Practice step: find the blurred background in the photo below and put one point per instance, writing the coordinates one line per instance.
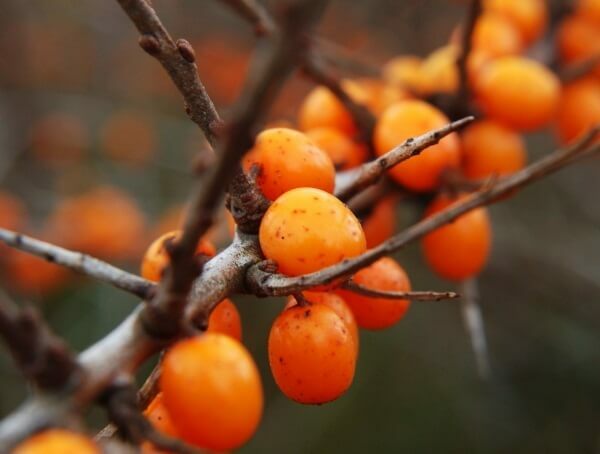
(94, 139)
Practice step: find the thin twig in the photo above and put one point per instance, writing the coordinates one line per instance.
(352, 181)
(475, 327)
(267, 284)
(463, 93)
(255, 13)
(412, 295)
(82, 263)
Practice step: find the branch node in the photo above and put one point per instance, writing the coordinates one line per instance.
(186, 50)
(149, 44)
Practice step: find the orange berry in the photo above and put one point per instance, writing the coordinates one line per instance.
(334, 302)
(495, 35)
(381, 222)
(578, 39)
(378, 313)
(288, 160)
(307, 229)
(579, 108)
(32, 275)
(438, 73)
(518, 92)
(13, 215)
(374, 94)
(158, 415)
(407, 119)
(225, 319)
(58, 138)
(212, 390)
(343, 151)
(321, 108)
(590, 9)
(458, 250)
(57, 441)
(171, 219)
(529, 16)
(104, 222)
(489, 148)
(156, 257)
(312, 354)
(404, 70)
(128, 137)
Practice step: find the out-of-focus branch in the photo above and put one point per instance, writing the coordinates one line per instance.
(579, 69)
(264, 283)
(412, 295)
(177, 57)
(255, 13)
(475, 327)
(82, 263)
(463, 93)
(350, 182)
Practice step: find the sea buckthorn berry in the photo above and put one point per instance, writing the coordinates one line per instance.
(128, 137)
(374, 94)
(408, 119)
(288, 160)
(212, 390)
(32, 275)
(438, 71)
(489, 148)
(529, 16)
(379, 313)
(590, 9)
(312, 354)
(343, 151)
(334, 302)
(160, 419)
(57, 441)
(321, 108)
(13, 215)
(496, 35)
(578, 39)
(579, 108)
(225, 319)
(58, 138)
(307, 229)
(404, 70)
(518, 92)
(458, 250)
(380, 224)
(156, 257)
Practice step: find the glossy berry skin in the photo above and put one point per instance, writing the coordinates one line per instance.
(307, 229)
(518, 92)
(380, 224)
(57, 441)
(160, 419)
(408, 119)
(458, 250)
(212, 390)
(404, 71)
(343, 151)
(496, 36)
(156, 257)
(290, 159)
(379, 313)
(528, 16)
(225, 319)
(334, 302)
(312, 354)
(578, 39)
(321, 108)
(579, 108)
(590, 9)
(438, 73)
(489, 148)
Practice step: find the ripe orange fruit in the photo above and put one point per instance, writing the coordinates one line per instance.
(128, 137)
(212, 390)
(375, 94)
(404, 70)
(158, 415)
(334, 302)
(343, 151)
(378, 313)
(288, 160)
(590, 9)
(32, 275)
(156, 257)
(307, 229)
(225, 319)
(529, 16)
(578, 39)
(489, 148)
(321, 108)
(312, 354)
(579, 108)
(518, 92)
(58, 138)
(57, 441)
(381, 222)
(458, 250)
(13, 215)
(408, 119)
(105, 222)
(438, 72)
(495, 35)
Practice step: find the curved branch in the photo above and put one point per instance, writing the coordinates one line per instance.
(81, 263)
(463, 93)
(412, 295)
(350, 182)
(264, 283)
